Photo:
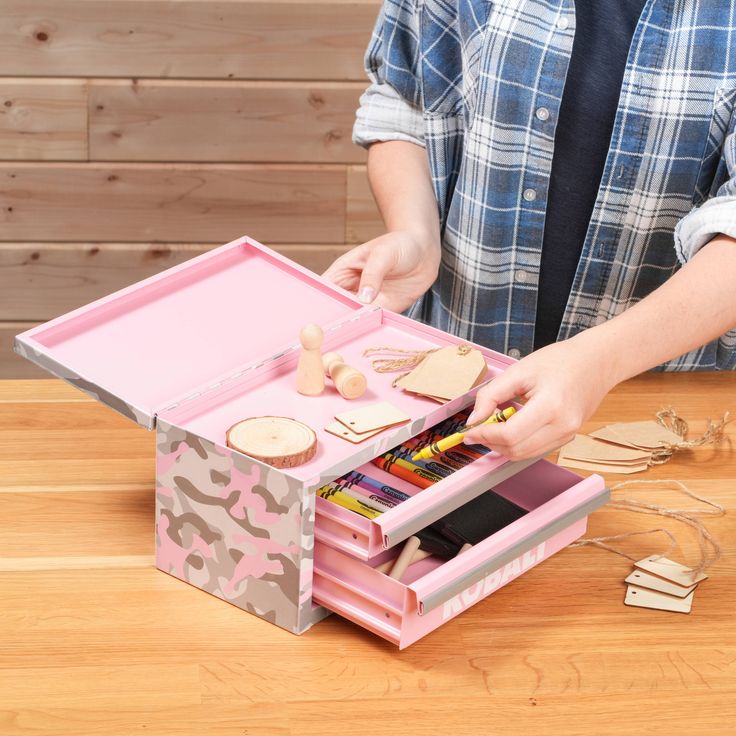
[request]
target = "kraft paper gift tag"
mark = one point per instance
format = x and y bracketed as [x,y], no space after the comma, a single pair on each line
[446,373]
[642,579]
[649,435]
[643,598]
[586,453]
[588,449]
[372,417]
[594,467]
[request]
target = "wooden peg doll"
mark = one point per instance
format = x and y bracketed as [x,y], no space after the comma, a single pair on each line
[310,372]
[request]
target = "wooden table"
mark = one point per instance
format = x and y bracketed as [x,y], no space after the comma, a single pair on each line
[95,640]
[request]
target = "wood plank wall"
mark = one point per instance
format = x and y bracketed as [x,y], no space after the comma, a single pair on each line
[135,134]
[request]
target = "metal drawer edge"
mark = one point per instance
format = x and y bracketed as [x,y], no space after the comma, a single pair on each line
[403,531]
[444,593]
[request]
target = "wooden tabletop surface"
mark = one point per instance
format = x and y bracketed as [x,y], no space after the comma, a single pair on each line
[95,640]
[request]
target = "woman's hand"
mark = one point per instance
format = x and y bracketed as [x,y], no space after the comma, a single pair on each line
[561,384]
[392,271]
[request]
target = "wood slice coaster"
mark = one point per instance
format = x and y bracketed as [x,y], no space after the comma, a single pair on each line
[277,441]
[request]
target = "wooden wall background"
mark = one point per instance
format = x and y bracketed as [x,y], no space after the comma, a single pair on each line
[135,134]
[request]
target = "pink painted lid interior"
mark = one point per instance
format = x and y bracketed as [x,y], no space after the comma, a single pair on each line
[169,335]
[272,391]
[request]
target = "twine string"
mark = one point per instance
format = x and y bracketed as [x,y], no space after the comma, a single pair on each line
[710,550]
[669,419]
[411,359]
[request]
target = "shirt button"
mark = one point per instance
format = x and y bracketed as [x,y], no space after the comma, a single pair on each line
[563,24]
[542,113]
[514,353]
[521,276]
[529,195]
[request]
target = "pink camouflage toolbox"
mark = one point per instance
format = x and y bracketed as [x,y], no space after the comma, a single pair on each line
[203,345]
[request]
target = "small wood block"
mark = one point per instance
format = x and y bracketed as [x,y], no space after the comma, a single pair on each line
[642,579]
[643,598]
[372,417]
[669,570]
[340,430]
[278,441]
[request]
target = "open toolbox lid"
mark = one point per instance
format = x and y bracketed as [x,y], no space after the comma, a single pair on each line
[145,348]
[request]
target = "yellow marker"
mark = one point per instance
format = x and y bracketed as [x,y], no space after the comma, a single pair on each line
[333,492]
[455,439]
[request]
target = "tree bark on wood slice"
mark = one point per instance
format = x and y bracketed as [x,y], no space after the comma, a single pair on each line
[278,441]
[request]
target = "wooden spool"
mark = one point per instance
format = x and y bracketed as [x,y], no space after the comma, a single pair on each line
[277,441]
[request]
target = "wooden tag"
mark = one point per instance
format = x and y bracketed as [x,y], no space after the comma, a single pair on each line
[643,598]
[642,579]
[340,430]
[447,373]
[669,570]
[649,434]
[373,416]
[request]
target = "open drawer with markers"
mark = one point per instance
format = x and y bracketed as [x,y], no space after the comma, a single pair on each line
[197,349]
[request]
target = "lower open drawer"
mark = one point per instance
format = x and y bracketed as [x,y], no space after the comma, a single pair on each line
[432,591]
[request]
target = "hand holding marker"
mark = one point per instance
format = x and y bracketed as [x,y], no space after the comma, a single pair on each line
[436,448]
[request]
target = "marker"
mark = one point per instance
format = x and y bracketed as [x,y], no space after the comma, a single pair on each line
[434,471]
[373,486]
[406,471]
[371,498]
[335,494]
[456,458]
[452,424]
[436,448]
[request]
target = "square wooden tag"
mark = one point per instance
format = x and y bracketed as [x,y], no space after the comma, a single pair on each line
[371,417]
[343,432]
[642,579]
[643,598]
[669,570]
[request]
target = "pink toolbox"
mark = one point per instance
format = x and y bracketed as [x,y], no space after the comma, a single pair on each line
[214,340]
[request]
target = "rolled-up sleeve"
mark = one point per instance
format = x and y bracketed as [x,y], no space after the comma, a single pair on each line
[390,109]
[383,115]
[716,216]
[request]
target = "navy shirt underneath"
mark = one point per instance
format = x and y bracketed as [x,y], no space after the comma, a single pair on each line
[603,33]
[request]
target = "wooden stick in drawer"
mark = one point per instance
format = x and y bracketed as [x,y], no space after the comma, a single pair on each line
[420,554]
[466,526]
[424,541]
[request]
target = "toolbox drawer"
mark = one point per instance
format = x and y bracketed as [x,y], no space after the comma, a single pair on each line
[432,592]
[365,538]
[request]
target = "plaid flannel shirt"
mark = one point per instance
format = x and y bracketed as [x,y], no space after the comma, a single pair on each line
[479,84]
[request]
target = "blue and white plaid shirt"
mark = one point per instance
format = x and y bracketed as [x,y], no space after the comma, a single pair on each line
[479,84]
